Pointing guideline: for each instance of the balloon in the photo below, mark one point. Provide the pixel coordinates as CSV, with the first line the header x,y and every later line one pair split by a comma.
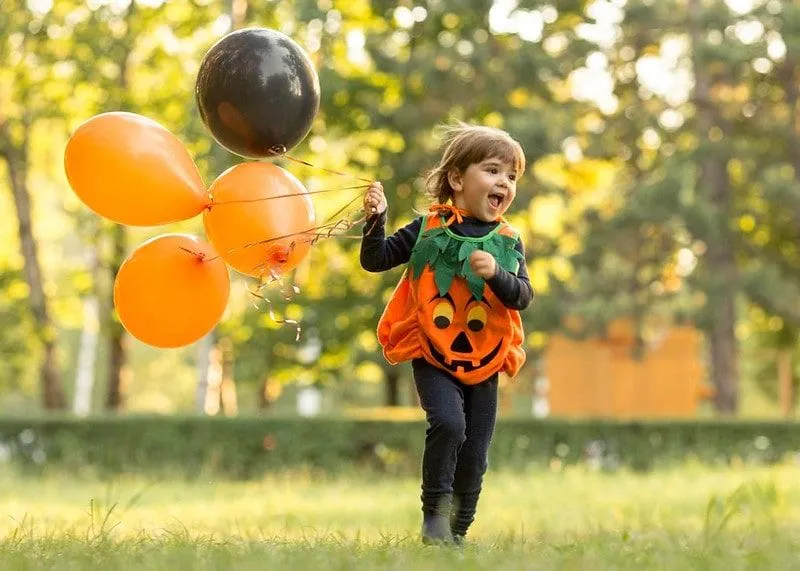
x,y
172,290
261,219
131,170
257,92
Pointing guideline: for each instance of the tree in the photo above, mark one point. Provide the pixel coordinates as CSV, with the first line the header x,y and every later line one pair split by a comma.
x,y
28,64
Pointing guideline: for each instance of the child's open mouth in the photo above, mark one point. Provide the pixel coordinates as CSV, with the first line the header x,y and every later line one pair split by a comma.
x,y
495,200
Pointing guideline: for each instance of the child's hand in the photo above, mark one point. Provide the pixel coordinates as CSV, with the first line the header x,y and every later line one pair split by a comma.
x,y
483,264
374,200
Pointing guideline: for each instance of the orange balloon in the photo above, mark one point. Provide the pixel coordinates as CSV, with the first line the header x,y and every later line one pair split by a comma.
x,y
130,169
171,290
261,219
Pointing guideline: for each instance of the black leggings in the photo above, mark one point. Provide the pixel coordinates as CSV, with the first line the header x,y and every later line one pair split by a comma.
x,y
461,421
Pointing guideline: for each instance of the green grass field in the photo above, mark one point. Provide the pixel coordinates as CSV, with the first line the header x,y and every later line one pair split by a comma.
x,y
691,518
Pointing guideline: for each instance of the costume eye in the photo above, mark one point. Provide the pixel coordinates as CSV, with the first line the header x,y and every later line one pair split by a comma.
x,y
476,318
443,314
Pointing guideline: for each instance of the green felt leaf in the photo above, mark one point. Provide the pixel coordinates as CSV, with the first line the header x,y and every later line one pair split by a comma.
x,y
425,252
465,269
508,241
444,276
492,246
466,249
448,257
441,241
476,285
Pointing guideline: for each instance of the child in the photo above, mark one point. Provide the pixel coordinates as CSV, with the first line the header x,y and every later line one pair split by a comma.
x,y
455,312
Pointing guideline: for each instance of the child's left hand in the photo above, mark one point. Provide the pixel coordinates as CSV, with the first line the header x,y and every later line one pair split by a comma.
x,y
483,264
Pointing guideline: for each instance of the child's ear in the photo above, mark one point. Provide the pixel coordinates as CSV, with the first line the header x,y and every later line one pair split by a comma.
x,y
454,179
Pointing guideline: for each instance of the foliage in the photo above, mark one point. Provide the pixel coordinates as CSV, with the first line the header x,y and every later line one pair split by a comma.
x,y
17,340
247,447
614,211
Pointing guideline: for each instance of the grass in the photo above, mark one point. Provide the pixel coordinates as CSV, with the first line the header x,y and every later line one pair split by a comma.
x,y
688,518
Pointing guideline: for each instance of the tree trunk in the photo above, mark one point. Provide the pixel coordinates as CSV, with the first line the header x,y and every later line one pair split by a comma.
x,y
724,356
118,371
228,398
202,365
392,387
52,390
786,382
117,350
264,394
212,403
90,334
720,255
87,352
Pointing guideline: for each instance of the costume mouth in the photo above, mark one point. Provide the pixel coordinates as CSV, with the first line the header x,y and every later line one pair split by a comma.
x,y
467,366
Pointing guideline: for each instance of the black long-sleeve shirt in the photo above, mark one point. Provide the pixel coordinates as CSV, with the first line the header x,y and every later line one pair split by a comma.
x,y
380,253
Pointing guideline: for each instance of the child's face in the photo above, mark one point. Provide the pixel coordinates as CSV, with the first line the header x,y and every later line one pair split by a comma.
x,y
486,189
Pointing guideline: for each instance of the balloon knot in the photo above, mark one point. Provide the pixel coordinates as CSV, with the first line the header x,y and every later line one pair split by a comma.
x,y
277,255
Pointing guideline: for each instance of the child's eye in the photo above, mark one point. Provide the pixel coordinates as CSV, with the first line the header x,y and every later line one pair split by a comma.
x,y
512,177
493,170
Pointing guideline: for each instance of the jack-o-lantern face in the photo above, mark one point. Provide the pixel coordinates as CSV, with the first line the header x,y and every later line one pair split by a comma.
x,y
463,335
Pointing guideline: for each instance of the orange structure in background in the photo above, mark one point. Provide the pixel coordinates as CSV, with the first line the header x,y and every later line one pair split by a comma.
x,y
602,378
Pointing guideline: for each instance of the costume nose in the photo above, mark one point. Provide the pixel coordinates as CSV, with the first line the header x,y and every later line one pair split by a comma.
x,y
461,344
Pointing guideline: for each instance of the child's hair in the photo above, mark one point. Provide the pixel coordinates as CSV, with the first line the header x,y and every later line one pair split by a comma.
x,y
465,145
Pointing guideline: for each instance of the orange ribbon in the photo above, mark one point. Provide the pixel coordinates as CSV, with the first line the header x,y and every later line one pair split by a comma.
x,y
456,214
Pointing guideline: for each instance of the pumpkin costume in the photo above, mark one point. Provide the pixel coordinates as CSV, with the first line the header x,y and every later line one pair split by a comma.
x,y
459,331
444,313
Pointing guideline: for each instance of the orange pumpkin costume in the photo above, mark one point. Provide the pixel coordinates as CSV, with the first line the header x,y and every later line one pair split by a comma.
x,y
442,312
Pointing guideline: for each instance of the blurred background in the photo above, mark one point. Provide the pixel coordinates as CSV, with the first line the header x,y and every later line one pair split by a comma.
x,y
660,211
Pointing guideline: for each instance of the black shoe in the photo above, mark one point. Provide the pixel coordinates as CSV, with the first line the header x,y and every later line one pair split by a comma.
x,y
436,530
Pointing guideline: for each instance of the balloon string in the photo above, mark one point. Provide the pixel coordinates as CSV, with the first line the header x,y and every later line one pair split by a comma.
x,y
258,295
280,151
331,171
342,224
315,232
329,224
247,200
199,255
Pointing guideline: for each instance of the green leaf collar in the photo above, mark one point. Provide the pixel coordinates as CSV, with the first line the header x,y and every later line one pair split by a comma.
x,y
448,254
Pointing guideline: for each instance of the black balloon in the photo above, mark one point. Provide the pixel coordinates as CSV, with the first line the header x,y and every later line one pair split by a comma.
x,y
257,92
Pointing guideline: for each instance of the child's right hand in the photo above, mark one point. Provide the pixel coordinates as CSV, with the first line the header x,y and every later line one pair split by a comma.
x,y
374,200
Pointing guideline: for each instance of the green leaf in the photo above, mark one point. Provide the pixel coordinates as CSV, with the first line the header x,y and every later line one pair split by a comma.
x,y
507,259
508,241
476,285
433,232
465,269
504,251
443,277
441,241
492,247
515,258
466,249
425,252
